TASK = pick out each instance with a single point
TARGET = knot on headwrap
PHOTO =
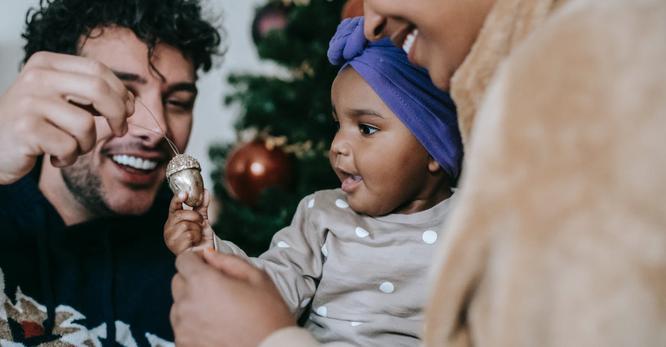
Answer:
(406, 89)
(348, 41)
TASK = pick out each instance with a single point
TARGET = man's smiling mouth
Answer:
(134, 162)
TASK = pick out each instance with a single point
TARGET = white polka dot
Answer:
(341, 203)
(387, 287)
(355, 324)
(322, 311)
(360, 232)
(429, 237)
(283, 244)
(305, 303)
(311, 203)
(324, 251)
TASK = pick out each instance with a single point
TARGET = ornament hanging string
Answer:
(161, 133)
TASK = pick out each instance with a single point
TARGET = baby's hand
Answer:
(188, 229)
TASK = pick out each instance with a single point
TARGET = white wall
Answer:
(213, 122)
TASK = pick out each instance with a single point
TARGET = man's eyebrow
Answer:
(357, 112)
(128, 76)
(182, 86)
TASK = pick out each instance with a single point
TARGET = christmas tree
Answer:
(285, 127)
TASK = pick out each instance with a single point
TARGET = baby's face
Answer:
(382, 166)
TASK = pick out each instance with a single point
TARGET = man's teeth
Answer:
(134, 162)
(356, 178)
(409, 40)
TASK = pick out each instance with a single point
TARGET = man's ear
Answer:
(433, 166)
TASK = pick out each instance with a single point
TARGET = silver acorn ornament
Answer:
(184, 175)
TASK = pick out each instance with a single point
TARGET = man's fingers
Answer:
(86, 80)
(56, 143)
(76, 64)
(83, 90)
(232, 266)
(57, 129)
(190, 265)
(71, 119)
(173, 316)
(178, 287)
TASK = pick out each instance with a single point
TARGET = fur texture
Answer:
(559, 238)
(508, 24)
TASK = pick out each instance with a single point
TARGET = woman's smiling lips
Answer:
(404, 37)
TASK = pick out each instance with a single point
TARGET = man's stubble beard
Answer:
(86, 186)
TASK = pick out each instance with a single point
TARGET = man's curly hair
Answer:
(58, 25)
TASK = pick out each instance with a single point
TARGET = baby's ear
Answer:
(433, 165)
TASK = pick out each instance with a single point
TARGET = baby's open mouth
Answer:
(351, 182)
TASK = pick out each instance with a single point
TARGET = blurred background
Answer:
(262, 119)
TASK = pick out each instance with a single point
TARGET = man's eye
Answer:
(367, 129)
(183, 105)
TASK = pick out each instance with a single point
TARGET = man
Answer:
(82, 204)
(558, 238)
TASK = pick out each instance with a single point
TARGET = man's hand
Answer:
(188, 229)
(222, 300)
(49, 110)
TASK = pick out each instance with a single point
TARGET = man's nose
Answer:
(374, 23)
(148, 122)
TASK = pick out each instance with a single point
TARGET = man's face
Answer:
(382, 166)
(121, 175)
(441, 32)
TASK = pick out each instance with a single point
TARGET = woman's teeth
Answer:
(409, 40)
(134, 162)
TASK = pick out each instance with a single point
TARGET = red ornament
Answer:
(252, 168)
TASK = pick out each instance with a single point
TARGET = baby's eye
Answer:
(367, 129)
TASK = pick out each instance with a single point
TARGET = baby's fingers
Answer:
(203, 209)
(177, 202)
(182, 236)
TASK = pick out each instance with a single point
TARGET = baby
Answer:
(356, 258)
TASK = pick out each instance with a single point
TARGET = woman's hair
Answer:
(59, 25)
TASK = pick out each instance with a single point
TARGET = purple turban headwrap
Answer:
(406, 89)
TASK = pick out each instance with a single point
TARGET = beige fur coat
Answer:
(559, 238)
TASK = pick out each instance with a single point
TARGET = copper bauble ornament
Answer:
(252, 168)
(184, 175)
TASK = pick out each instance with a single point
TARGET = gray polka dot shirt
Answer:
(363, 279)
